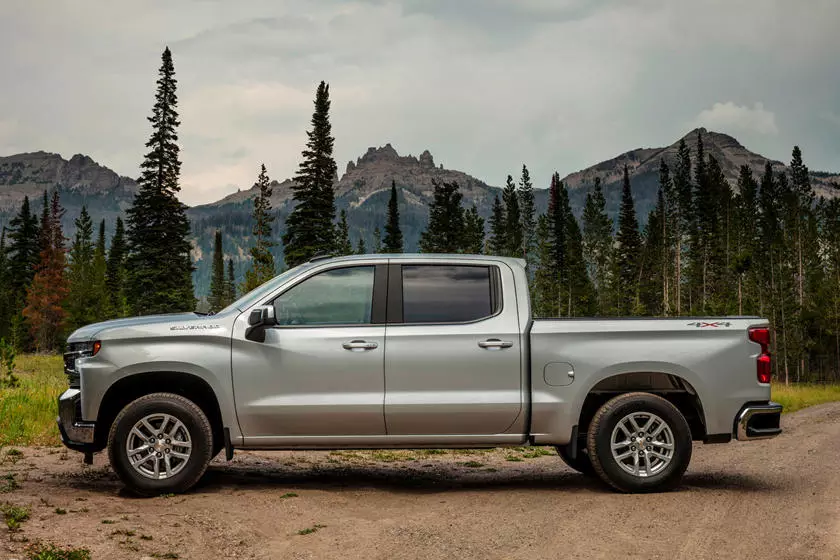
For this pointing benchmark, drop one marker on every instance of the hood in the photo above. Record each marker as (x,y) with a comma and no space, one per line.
(88,332)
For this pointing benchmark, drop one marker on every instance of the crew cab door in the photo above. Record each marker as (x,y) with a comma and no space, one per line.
(452,360)
(319,371)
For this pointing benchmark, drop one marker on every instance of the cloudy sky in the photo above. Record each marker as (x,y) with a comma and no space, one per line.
(485,85)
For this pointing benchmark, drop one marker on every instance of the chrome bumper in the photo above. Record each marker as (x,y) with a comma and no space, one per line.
(74,432)
(758,421)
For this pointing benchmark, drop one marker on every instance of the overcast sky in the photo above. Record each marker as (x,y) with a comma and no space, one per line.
(485,85)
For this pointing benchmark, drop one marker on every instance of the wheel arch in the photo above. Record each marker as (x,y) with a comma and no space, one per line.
(131,387)
(658,379)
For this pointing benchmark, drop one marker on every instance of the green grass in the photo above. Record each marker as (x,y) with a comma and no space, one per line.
(14,515)
(797,397)
(27,412)
(310,530)
(52,552)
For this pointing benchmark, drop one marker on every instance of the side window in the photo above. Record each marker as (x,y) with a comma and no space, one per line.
(448,293)
(342,296)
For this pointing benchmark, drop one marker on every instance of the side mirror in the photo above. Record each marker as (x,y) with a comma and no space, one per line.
(260,318)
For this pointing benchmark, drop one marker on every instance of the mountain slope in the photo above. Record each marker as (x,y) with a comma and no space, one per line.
(81,181)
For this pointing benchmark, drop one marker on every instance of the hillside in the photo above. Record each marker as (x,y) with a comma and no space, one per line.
(362,190)
(643,164)
(81,181)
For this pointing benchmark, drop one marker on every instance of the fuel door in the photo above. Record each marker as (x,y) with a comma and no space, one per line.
(558,374)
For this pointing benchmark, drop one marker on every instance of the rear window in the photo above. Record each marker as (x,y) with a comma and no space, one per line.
(447,293)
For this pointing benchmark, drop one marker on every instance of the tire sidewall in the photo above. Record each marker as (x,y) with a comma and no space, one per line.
(600,440)
(200,436)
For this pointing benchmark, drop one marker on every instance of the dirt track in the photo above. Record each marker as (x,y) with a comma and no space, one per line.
(772,499)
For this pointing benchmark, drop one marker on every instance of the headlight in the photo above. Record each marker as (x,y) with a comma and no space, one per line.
(76,350)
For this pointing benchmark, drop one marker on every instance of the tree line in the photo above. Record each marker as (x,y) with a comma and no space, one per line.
(770,247)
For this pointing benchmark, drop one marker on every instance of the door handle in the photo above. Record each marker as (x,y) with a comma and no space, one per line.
(495,343)
(355,345)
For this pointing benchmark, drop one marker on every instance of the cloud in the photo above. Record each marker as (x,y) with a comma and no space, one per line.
(729,117)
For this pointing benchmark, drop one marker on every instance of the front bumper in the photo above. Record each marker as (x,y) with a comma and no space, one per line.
(758,421)
(75,433)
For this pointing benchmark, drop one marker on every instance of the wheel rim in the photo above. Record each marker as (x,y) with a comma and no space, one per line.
(642,444)
(159,446)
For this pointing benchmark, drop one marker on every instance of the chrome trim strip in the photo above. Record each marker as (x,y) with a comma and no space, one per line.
(754,410)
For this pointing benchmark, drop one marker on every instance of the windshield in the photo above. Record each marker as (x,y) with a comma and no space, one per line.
(259,292)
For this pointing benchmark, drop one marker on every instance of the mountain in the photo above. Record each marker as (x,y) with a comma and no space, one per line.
(362,190)
(80,180)
(643,164)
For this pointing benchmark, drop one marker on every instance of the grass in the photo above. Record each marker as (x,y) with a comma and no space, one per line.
(797,397)
(8,483)
(310,530)
(14,515)
(52,552)
(28,412)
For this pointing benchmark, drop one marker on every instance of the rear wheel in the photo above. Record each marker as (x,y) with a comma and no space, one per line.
(160,443)
(639,442)
(580,463)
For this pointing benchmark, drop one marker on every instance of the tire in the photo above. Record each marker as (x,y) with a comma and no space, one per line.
(580,463)
(657,468)
(186,448)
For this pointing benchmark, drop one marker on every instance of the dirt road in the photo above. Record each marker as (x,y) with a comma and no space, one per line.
(772,499)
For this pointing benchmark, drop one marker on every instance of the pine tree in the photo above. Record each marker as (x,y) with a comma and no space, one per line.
(98,287)
(682,220)
(498,241)
(115,272)
(44,311)
(513,223)
(652,286)
(262,261)
(6,299)
(159,267)
(24,250)
(528,215)
(579,291)
(746,242)
(473,242)
(557,223)
(218,283)
(598,247)
(343,245)
(628,245)
(393,242)
(309,228)
(445,231)
(230,284)
(377,240)
(544,286)
(361,249)
(81,299)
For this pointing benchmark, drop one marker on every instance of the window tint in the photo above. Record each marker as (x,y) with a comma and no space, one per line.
(342,296)
(446,294)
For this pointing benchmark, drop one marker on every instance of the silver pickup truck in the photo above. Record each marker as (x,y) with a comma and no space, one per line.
(412,351)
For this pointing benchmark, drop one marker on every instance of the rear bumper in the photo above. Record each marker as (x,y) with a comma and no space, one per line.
(75,433)
(758,421)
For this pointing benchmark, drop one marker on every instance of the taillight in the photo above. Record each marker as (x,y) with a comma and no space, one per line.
(761,335)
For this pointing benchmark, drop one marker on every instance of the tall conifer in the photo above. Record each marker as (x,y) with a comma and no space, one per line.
(218,283)
(262,261)
(628,245)
(393,242)
(309,228)
(159,266)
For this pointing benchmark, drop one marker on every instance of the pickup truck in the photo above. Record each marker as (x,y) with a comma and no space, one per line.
(412,351)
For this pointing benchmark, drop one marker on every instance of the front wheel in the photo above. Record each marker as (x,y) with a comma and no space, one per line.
(159,444)
(639,442)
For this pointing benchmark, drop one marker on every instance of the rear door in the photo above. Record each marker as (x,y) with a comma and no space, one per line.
(452,360)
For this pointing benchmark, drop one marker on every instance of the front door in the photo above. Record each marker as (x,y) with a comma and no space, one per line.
(452,365)
(320,370)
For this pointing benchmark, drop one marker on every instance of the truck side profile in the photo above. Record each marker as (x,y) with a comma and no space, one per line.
(412,351)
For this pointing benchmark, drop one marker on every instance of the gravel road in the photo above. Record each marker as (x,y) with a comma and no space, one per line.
(769,499)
